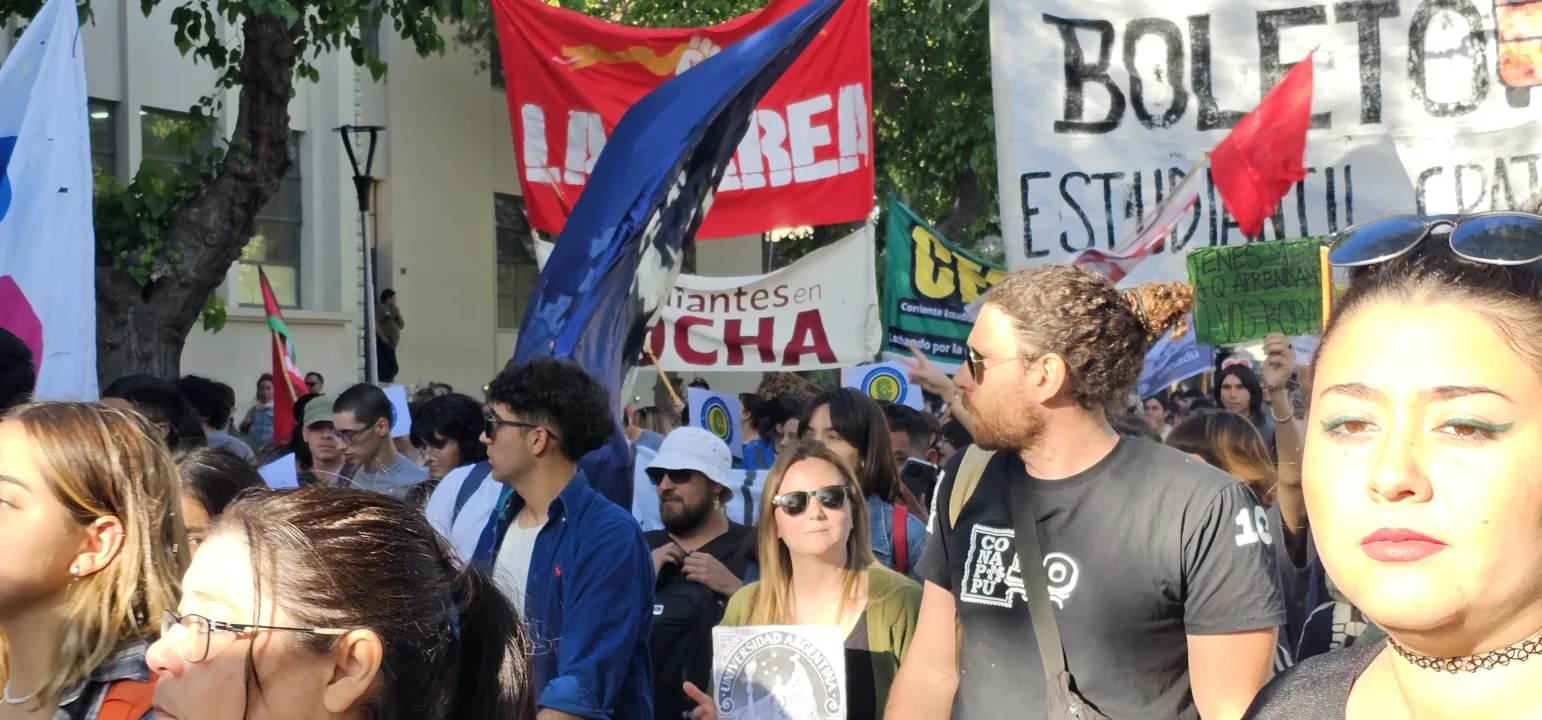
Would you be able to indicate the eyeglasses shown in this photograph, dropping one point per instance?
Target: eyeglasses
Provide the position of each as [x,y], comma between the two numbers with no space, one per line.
[347,436]
[794,503]
[976,363]
[677,477]
[494,422]
[1495,238]
[190,633]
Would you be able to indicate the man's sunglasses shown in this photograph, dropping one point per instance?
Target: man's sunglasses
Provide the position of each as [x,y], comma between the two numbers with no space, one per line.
[976,363]
[794,503]
[494,422]
[676,477]
[1494,238]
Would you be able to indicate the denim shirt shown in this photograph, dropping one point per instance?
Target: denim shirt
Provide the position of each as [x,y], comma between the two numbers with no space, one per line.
[588,603]
[83,701]
[881,517]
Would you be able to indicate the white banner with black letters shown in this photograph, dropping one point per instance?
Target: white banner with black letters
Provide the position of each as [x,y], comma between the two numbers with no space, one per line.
[1102,105]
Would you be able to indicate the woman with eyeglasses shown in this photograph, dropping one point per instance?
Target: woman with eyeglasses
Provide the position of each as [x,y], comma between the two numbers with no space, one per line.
[1422,473]
[90,553]
[816,569]
[853,426]
[289,612]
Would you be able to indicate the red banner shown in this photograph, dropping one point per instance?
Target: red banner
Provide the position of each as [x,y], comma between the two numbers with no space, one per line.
[806,160]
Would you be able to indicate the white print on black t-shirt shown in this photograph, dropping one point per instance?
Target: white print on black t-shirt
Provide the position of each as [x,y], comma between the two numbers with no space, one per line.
[1247,519]
[990,579]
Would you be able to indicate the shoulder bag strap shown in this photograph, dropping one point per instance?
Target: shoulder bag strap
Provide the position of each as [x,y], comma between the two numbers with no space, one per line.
[901,548]
[1036,585]
[969,471]
[468,487]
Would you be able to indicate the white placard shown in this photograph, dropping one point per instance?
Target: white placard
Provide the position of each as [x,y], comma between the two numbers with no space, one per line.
[718,414]
[401,411]
[779,672]
[1100,104]
[281,473]
[884,381]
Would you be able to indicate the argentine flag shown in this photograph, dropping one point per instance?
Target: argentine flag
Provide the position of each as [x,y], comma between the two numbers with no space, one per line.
[47,247]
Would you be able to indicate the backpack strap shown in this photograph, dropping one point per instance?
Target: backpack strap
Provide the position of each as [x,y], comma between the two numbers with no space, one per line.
[969,471]
[127,700]
[901,548]
[469,487]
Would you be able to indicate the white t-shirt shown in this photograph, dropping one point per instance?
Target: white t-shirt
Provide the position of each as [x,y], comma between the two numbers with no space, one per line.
[511,572]
[466,528]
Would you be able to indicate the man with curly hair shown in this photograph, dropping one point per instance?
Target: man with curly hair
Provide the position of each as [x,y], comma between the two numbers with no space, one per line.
[574,563]
[1157,566]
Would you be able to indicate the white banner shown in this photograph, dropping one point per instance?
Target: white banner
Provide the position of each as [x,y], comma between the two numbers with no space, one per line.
[47,245]
[1102,105]
[819,312]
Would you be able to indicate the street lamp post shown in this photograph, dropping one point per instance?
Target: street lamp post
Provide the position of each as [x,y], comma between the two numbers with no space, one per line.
[363,182]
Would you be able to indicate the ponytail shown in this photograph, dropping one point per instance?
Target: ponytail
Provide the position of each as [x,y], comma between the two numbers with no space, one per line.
[491,649]
[1161,307]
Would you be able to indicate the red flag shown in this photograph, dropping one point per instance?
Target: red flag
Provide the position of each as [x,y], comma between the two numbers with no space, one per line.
[1258,162]
[287,379]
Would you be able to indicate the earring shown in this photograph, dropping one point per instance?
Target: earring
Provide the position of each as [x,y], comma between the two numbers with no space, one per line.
[75,572]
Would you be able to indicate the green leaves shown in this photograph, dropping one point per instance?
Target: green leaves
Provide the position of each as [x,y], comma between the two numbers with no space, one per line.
[213,314]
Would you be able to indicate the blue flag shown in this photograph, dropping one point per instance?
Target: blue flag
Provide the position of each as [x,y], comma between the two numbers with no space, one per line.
[1170,361]
[620,251]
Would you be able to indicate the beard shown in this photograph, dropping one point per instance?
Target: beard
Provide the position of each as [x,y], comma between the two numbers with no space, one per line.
[1000,425]
[684,518]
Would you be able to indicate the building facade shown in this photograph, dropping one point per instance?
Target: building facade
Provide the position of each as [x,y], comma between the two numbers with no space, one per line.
[447,226]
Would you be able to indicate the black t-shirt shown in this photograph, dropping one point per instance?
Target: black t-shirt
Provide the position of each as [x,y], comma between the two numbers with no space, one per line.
[1144,548]
[684,614]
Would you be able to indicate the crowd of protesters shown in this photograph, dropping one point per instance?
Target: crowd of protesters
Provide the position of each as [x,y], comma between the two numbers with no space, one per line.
[1205,553]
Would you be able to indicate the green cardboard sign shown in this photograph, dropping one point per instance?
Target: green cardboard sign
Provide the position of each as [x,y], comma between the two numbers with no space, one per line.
[1244,292]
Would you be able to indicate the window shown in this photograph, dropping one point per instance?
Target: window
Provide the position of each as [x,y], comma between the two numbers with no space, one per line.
[275,247]
[167,139]
[103,121]
[517,271]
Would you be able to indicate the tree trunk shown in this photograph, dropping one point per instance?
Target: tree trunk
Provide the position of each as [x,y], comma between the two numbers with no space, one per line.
[968,205]
[142,329]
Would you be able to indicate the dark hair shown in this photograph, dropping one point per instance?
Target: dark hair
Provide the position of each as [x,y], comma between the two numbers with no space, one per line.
[1131,425]
[160,403]
[561,394]
[766,415]
[214,401]
[1101,334]
[1229,442]
[17,375]
[387,294]
[297,444]
[1244,375]
[1508,297]
[857,418]
[956,434]
[701,383]
[368,404]
[265,376]
[1201,402]
[918,426]
[215,477]
[453,646]
[451,417]
[319,377]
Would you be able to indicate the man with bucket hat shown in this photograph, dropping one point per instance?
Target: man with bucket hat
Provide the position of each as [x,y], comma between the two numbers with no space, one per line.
[699,558]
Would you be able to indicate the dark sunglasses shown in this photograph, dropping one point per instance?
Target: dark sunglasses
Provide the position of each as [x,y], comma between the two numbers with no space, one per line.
[677,477]
[1494,238]
[494,422]
[794,503]
[976,363]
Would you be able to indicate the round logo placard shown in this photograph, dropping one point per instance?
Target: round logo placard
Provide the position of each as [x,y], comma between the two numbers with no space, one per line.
[885,383]
[716,418]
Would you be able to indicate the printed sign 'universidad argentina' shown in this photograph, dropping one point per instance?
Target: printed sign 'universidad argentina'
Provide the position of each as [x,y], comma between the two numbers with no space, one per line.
[806,158]
[1101,106]
[928,284]
[1245,292]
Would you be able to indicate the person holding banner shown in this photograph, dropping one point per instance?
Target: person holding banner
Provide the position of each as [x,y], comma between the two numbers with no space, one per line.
[1421,473]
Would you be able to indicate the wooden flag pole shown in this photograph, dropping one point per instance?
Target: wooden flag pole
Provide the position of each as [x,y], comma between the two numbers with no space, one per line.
[667,384]
[1326,280]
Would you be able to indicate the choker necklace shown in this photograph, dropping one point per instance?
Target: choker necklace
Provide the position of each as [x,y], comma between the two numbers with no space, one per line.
[13,700]
[1517,652]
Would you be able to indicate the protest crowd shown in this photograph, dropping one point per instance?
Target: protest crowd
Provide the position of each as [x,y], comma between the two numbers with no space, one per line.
[1283,478]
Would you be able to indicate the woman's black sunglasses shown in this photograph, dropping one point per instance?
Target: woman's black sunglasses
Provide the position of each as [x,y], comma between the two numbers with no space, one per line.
[794,503]
[1495,238]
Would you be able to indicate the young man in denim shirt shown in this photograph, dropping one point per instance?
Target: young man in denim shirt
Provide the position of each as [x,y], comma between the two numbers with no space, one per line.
[573,562]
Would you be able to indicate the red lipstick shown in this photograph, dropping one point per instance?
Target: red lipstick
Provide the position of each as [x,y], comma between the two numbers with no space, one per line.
[1399,545]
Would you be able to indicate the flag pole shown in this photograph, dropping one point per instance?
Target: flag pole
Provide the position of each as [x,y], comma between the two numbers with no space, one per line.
[1326,279]
[1124,245]
[667,384]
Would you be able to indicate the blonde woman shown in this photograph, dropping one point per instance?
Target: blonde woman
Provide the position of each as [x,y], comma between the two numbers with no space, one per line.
[90,555]
[817,569]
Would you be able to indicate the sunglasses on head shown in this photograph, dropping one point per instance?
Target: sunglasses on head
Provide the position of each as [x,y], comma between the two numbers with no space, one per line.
[794,503]
[1494,238]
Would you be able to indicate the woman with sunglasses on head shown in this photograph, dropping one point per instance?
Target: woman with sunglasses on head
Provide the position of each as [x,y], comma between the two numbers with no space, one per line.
[853,426]
[90,551]
[289,613]
[1421,473]
[816,569]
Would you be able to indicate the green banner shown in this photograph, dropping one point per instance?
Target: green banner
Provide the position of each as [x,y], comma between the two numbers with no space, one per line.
[927,284]
[1244,292]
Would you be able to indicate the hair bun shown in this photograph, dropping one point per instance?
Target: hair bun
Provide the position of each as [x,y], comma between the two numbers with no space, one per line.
[1161,307]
